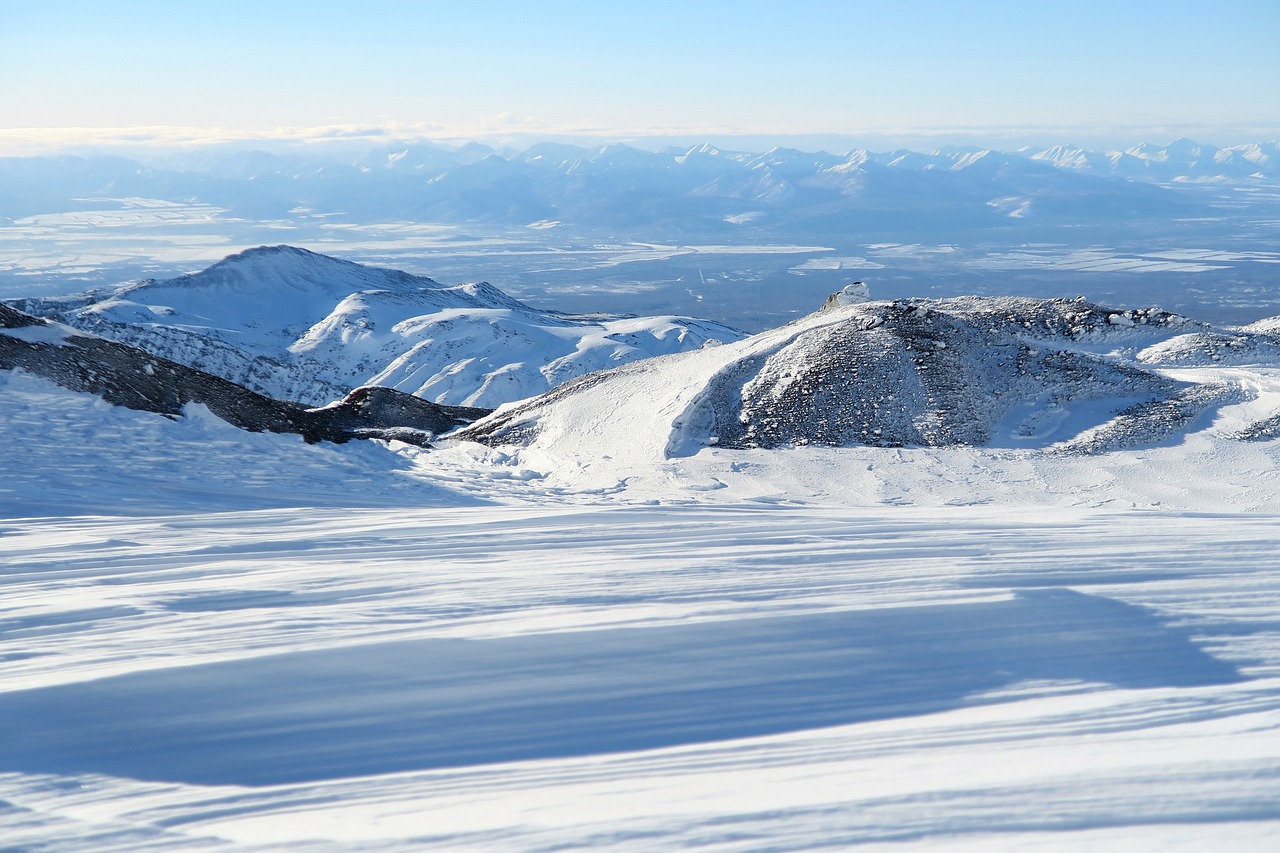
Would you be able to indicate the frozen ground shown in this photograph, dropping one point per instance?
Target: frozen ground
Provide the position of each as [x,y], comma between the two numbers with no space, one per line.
[218,639]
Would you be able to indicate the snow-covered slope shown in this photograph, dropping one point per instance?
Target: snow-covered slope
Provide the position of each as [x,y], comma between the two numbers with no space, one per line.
[133,378]
[603,629]
[1267,325]
[220,639]
[984,372]
[71,453]
[1203,349]
[297,325]
[214,638]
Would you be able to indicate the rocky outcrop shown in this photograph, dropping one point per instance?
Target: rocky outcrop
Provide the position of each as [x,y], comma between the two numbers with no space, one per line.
[130,377]
[993,372]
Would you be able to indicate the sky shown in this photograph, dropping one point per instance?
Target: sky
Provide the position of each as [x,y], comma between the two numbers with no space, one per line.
[108,71]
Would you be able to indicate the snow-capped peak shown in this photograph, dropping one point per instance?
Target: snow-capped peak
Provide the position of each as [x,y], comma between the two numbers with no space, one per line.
[298,325]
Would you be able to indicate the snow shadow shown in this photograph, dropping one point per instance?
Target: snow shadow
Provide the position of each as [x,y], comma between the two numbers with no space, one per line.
[423,704]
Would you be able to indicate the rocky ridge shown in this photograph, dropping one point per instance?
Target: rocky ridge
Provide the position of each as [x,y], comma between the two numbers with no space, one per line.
[293,324]
[135,379]
[995,372]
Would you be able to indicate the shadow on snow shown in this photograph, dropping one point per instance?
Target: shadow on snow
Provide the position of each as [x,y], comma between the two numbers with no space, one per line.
[434,703]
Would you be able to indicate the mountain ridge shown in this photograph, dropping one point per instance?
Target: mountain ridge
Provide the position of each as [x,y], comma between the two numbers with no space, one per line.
[135,379]
[1049,374]
[295,324]
[977,371]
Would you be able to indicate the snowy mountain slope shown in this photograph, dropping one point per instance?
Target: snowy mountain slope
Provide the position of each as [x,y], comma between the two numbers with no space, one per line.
[993,372]
[73,454]
[1267,325]
[133,378]
[1182,160]
[293,324]
[1202,349]
[263,296]
[234,640]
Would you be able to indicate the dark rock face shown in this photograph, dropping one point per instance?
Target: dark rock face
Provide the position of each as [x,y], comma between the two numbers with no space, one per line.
[130,377]
[910,374]
[372,407]
[11,318]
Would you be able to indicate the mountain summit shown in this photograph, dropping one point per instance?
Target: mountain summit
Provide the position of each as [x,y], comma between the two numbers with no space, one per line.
[298,325]
[1000,372]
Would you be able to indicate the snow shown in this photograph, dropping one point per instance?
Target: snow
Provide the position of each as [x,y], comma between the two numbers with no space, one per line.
[353,645]
[69,454]
[904,373]
[294,324]
[214,638]
[529,677]
[53,334]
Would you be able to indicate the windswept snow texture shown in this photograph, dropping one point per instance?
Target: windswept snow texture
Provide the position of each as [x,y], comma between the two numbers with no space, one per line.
[639,678]
[216,638]
[983,372]
[297,325]
[636,620]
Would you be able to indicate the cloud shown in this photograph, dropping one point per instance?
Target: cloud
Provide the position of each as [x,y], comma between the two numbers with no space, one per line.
[510,130]
[495,128]
[45,140]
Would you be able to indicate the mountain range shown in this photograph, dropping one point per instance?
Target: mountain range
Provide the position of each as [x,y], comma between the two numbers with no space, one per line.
[986,571]
[289,325]
[671,194]
[297,325]
[136,379]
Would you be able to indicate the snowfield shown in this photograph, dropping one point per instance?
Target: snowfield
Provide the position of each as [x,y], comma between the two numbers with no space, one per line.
[1036,610]
[214,638]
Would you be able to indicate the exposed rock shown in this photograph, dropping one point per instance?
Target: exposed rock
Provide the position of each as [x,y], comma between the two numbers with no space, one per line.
[1207,349]
[1154,421]
[907,373]
[971,371]
[1263,430]
[130,377]
[374,407]
[297,325]
[850,294]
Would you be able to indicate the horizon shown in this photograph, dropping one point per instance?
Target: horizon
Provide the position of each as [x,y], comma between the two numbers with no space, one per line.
[336,143]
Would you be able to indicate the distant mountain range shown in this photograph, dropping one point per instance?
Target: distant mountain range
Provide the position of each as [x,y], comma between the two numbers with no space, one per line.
[670,194]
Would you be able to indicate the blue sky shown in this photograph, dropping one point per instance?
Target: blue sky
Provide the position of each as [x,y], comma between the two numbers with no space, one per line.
[895,71]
